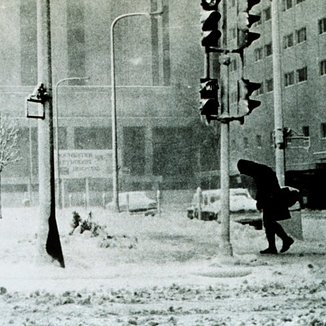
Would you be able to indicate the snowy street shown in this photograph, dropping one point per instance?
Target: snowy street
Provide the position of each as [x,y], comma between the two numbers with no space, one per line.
[162,270]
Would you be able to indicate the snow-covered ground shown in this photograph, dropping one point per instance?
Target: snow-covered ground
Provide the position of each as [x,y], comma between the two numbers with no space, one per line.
[162,270]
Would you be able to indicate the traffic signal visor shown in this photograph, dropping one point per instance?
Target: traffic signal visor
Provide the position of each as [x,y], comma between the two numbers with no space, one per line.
[208,88]
[209,108]
[246,88]
[210,31]
[210,4]
[245,20]
[208,96]
[252,3]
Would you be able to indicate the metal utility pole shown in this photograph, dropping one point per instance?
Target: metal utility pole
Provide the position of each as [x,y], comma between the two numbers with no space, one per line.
[225,150]
[115,168]
[48,236]
[30,181]
[277,93]
[56,101]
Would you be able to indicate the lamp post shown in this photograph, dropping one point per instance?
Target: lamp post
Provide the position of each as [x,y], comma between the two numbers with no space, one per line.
[115,180]
[56,87]
[30,181]
[277,94]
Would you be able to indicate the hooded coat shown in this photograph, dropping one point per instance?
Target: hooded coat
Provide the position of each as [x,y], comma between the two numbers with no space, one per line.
[269,195]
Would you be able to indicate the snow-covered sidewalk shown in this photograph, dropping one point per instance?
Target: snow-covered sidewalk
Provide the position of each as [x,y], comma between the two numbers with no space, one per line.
[162,270]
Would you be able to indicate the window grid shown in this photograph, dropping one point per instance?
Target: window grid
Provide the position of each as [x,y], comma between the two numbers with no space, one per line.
[322,25]
[289,78]
[287,4]
[288,41]
[267,14]
[322,67]
[323,130]
[301,35]
[306,131]
[268,49]
[269,85]
[302,74]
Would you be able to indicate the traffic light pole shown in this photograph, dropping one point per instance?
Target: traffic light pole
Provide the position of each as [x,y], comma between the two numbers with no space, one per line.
[226,248]
[48,235]
[277,93]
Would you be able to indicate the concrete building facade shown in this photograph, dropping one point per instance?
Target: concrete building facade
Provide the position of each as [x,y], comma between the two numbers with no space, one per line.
[303,55]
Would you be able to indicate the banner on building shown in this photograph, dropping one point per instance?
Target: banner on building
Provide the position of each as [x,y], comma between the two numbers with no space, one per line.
[84,163]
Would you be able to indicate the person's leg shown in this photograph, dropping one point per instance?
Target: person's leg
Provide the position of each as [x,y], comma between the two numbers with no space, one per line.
[287,241]
[269,226]
[279,231]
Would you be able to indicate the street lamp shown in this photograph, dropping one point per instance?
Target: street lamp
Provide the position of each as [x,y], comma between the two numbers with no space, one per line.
[113,104]
[57,133]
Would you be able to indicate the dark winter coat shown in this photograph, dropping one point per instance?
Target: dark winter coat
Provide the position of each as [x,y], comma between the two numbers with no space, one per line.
[268,194]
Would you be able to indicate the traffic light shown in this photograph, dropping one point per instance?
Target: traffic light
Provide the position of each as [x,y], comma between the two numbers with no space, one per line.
[209,19]
[244,22]
[245,104]
[208,98]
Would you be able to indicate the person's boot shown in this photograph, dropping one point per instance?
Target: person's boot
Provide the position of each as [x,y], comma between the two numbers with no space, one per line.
[287,243]
[269,251]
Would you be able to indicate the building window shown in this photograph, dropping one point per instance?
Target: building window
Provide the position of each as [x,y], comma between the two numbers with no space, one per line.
[323,130]
[28,42]
[258,141]
[62,137]
[269,85]
[166,42]
[267,14]
[258,54]
[92,138]
[301,35]
[171,154]
[24,143]
[287,4]
[268,49]
[306,131]
[76,40]
[302,74]
[322,25]
[322,67]
[289,78]
[288,41]
[133,156]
